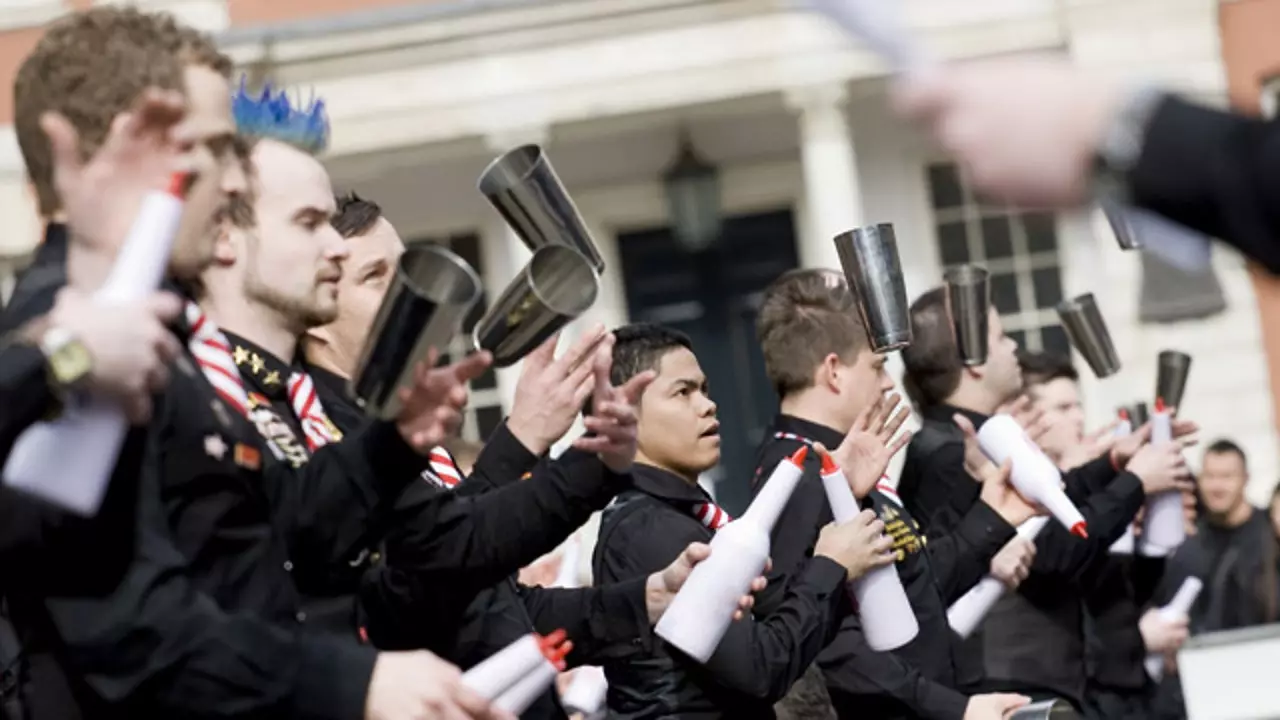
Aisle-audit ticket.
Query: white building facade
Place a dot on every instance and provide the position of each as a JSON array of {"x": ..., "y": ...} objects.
[{"x": 794, "y": 115}]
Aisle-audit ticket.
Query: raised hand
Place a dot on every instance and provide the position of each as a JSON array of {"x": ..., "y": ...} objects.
[
  {"x": 129, "y": 344},
  {"x": 417, "y": 685},
  {"x": 1091, "y": 447},
  {"x": 143, "y": 150},
  {"x": 1184, "y": 432},
  {"x": 859, "y": 545},
  {"x": 613, "y": 419},
  {"x": 431, "y": 408},
  {"x": 661, "y": 587},
  {"x": 996, "y": 491},
  {"x": 870, "y": 444},
  {"x": 551, "y": 392},
  {"x": 1161, "y": 468}
]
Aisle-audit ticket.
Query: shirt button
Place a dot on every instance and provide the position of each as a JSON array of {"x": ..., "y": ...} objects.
[
  {"x": 375, "y": 558},
  {"x": 301, "y": 616},
  {"x": 288, "y": 566}
]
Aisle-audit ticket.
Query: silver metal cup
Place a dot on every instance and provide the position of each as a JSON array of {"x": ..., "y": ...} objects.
[
  {"x": 1171, "y": 377},
  {"x": 557, "y": 286},
  {"x": 1137, "y": 412},
  {"x": 1046, "y": 710},
  {"x": 430, "y": 296},
  {"x": 1088, "y": 333},
  {"x": 869, "y": 257},
  {"x": 1120, "y": 218},
  {"x": 524, "y": 188},
  {"x": 969, "y": 304}
]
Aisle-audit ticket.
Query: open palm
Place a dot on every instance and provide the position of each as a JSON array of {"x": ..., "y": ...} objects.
[{"x": 871, "y": 443}]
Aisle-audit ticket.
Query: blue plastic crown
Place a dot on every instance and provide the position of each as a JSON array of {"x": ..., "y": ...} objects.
[{"x": 272, "y": 115}]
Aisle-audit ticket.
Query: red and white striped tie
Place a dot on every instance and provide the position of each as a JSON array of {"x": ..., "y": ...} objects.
[
  {"x": 213, "y": 355},
  {"x": 320, "y": 431},
  {"x": 444, "y": 467},
  {"x": 710, "y": 515}
]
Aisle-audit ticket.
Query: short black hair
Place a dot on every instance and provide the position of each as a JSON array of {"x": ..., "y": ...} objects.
[
  {"x": 1039, "y": 368},
  {"x": 641, "y": 346},
  {"x": 1224, "y": 446},
  {"x": 932, "y": 361},
  {"x": 355, "y": 216}
]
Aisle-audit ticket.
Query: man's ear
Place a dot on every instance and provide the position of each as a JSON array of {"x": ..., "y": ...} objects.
[
  {"x": 828, "y": 372},
  {"x": 226, "y": 248}
]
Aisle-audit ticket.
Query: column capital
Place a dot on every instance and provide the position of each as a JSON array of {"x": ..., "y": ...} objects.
[
  {"x": 510, "y": 138},
  {"x": 825, "y": 98}
]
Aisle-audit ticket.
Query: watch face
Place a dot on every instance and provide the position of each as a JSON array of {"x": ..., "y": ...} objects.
[{"x": 70, "y": 363}]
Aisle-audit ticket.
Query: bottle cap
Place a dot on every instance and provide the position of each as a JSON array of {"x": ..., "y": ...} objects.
[{"x": 828, "y": 464}]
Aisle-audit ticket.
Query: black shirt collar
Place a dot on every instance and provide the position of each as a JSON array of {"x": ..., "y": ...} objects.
[
  {"x": 943, "y": 413},
  {"x": 53, "y": 251},
  {"x": 667, "y": 486},
  {"x": 262, "y": 372},
  {"x": 807, "y": 429}
]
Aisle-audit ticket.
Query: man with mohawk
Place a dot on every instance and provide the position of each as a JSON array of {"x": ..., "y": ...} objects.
[{"x": 446, "y": 547}]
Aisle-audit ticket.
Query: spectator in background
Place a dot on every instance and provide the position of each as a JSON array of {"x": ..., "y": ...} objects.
[{"x": 1233, "y": 553}]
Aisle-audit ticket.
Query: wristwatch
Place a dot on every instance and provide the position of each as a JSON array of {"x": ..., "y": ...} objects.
[
  {"x": 1121, "y": 146},
  {"x": 68, "y": 360}
]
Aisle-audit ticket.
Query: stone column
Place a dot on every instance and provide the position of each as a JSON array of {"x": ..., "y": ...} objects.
[{"x": 832, "y": 193}]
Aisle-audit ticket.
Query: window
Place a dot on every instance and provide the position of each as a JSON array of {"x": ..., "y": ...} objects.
[
  {"x": 1019, "y": 248},
  {"x": 484, "y": 412}
]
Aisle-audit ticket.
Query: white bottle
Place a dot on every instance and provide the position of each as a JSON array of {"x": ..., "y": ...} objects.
[
  {"x": 517, "y": 698},
  {"x": 1125, "y": 544},
  {"x": 504, "y": 669},
  {"x": 1179, "y": 607},
  {"x": 69, "y": 461},
  {"x": 587, "y": 691},
  {"x": 699, "y": 615},
  {"x": 966, "y": 613},
  {"x": 888, "y": 621},
  {"x": 1163, "y": 528},
  {"x": 1034, "y": 474}
]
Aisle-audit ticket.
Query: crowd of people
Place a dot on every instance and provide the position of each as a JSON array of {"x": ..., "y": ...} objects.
[{"x": 267, "y": 549}]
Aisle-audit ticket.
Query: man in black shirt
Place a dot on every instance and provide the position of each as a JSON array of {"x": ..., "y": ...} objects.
[
  {"x": 1227, "y": 552},
  {"x": 818, "y": 356},
  {"x": 756, "y": 662},
  {"x": 1118, "y": 687},
  {"x": 1032, "y": 640}
]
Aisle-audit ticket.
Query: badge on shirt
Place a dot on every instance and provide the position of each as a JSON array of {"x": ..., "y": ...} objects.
[
  {"x": 215, "y": 447},
  {"x": 248, "y": 457}
]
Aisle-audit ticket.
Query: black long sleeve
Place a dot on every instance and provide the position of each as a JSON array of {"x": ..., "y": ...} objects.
[
  {"x": 1064, "y": 558},
  {"x": 599, "y": 620},
  {"x": 963, "y": 557},
  {"x": 156, "y": 645},
  {"x": 459, "y": 544},
  {"x": 1215, "y": 172},
  {"x": 853, "y": 667},
  {"x": 503, "y": 461},
  {"x": 24, "y": 392},
  {"x": 342, "y": 500},
  {"x": 761, "y": 656}
]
